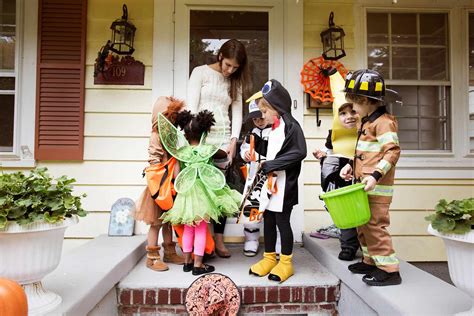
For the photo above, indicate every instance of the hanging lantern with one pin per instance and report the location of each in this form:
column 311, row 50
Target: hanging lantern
column 123, row 33
column 333, row 41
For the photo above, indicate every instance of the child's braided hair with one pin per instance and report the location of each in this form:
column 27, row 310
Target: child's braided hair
column 195, row 125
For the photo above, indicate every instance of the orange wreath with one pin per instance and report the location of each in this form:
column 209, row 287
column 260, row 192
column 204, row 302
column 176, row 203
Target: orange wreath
column 315, row 77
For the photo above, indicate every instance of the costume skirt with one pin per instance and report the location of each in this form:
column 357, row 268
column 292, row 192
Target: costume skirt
column 202, row 204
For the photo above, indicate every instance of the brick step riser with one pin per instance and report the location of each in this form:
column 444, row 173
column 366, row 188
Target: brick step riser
column 278, row 299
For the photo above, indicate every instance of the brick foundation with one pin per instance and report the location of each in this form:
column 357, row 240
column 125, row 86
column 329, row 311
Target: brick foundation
column 275, row 299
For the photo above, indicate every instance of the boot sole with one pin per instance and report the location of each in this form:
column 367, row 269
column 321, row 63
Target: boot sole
column 250, row 253
column 253, row 273
column 158, row 270
column 386, row 283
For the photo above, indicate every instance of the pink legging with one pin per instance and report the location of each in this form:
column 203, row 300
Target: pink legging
column 195, row 235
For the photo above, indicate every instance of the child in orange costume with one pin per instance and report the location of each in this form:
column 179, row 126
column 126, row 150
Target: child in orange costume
column 158, row 195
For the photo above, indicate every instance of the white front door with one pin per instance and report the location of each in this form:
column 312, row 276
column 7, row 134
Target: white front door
column 272, row 31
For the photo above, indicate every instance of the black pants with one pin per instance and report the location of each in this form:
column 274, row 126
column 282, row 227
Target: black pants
column 219, row 227
column 349, row 239
column 270, row 222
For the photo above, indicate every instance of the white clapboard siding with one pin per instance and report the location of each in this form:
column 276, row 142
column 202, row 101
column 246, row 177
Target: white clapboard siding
column 102, row 197
column 118, row 101
column 117, row 124
column 116, row 148
column 99, row 172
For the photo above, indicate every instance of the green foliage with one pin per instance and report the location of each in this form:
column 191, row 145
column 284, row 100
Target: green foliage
column 37, row 196
column 455, row 217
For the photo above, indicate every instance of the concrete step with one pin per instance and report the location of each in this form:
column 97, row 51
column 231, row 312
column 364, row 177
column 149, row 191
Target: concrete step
column 313, row 289
column 419, row 294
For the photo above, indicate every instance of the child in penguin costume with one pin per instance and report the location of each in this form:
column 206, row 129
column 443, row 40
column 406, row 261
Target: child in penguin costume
column 284, row 149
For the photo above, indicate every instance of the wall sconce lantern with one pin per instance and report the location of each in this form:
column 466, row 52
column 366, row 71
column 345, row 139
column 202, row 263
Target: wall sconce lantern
column 333, row 41
column 123, row 33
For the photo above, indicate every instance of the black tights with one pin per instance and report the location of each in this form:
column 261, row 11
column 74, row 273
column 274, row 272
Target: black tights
column 270, row 222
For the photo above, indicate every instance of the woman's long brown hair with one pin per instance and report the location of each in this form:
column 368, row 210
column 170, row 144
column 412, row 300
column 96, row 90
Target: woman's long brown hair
column 234, row 49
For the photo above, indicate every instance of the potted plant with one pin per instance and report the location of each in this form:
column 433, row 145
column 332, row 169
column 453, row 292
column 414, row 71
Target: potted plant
column 454, row 222
column 35, row 211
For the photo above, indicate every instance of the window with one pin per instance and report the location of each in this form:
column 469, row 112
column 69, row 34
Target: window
column 7, row 74
column 411, row 51
column 471, row 82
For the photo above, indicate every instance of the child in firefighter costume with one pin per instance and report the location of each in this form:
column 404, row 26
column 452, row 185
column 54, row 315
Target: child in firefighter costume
column 202, row 192
column 285, row 149
column 377, row 153
column 158, row 195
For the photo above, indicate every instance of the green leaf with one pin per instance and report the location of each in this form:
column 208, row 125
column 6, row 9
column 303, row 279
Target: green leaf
column 3, row 221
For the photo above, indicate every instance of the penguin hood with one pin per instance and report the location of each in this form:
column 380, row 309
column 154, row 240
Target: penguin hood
column 277, row 96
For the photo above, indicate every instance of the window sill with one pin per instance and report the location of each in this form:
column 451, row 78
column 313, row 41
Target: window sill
column 18, row 163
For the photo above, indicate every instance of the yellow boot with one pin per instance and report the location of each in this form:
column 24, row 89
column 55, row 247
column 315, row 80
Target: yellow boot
column 283, row 270
column 264, row 266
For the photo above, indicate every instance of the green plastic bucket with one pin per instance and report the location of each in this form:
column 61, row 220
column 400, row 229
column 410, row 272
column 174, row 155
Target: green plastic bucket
column 348, row 206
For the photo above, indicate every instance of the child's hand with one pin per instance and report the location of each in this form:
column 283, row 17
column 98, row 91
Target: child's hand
column 247, row 156
column 318, row 154
column 369, row 182
column 346, row 172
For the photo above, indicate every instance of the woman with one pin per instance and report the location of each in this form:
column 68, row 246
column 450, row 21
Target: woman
column 219, row 86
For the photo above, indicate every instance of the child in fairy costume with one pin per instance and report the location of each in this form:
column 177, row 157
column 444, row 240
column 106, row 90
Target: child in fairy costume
column 202, row 193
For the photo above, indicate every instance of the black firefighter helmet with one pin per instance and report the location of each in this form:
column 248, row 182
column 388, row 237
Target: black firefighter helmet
column 367, row 83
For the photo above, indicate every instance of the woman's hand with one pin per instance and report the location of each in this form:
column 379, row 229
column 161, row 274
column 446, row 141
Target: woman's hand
column 369, row 182
column 231, row 150
column 346, row 172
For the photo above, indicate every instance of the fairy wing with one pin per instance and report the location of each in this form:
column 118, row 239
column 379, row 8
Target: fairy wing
column 173, row 140
column 214, row 140
column 185, row 179
column 212, row 177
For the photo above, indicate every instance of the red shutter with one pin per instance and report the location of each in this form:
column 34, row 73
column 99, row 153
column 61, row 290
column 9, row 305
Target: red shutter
column 60, row 80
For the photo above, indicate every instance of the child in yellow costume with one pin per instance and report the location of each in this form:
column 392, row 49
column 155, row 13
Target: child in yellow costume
column 339, row 150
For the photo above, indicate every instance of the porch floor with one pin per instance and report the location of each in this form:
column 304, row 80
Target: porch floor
column 312, row 289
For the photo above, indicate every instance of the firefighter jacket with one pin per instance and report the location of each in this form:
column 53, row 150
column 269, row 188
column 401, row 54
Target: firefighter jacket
column 377, row 153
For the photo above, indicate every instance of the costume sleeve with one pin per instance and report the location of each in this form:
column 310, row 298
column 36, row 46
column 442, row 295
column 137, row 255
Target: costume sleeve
column 329, row 140
column 388, row 140
column 194, row 89
column 261, row 145
column 236, row 115
column 244, row 148
column 292, row 152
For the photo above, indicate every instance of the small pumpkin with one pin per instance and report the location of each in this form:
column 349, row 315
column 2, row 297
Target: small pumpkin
column 12, row 299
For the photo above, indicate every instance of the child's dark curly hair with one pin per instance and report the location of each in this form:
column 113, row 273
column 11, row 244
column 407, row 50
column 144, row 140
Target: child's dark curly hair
column 195, row 125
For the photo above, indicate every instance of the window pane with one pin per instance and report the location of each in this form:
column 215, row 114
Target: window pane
column 433, row 64
column 7, row 108
column 7, row 83
column 422, row 119
column 378, row 60
column 404, row 65
column 403, row 28
column 377, row 28
column 7, row 34
column 433, row 28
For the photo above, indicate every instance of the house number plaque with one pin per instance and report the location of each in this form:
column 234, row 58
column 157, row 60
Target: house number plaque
column 121, row 71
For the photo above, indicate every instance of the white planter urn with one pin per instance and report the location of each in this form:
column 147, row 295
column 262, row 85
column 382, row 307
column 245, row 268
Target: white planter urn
column 29, row 253
column 460, row 251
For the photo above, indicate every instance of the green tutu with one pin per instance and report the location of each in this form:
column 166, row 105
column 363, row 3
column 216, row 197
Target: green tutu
column 201, row 203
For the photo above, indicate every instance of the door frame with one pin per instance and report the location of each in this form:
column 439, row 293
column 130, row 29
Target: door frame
column 170, row 77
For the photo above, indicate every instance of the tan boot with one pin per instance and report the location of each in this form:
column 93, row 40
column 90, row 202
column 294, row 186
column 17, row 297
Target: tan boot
column 170, row 254
column 153, row 259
